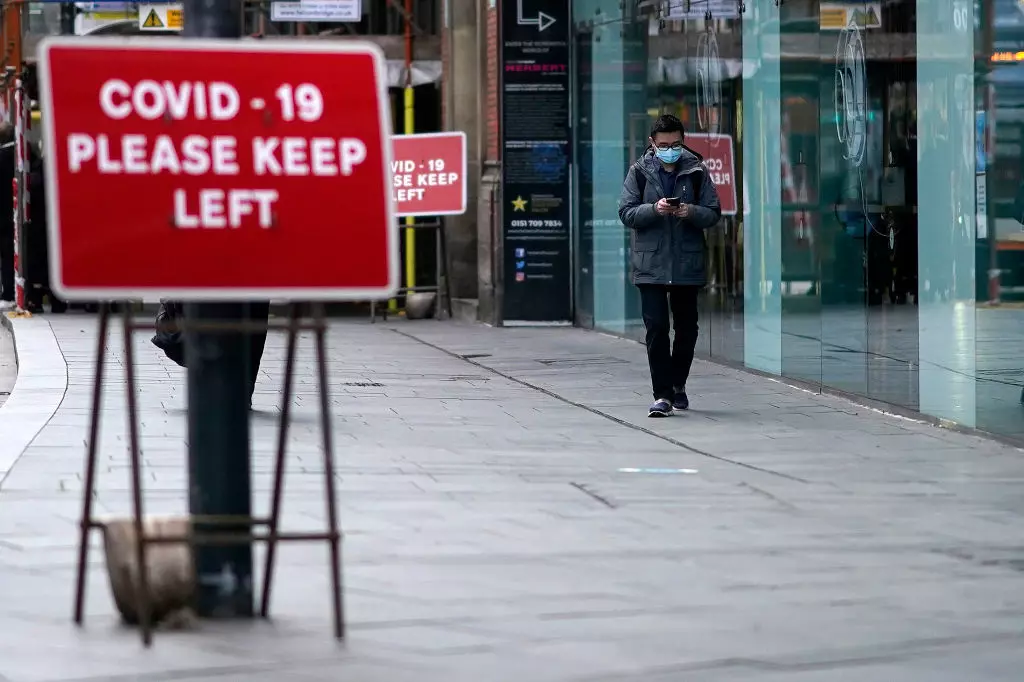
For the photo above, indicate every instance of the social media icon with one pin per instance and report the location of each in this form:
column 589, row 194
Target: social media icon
column 520, row 264
column 520, row 276
column 520, row 253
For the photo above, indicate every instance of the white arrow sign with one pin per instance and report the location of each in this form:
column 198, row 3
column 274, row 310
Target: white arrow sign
column 541, row 21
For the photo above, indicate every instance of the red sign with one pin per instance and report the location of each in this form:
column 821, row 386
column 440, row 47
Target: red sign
column 717, row 151
column 429, row 173
column 218, row 170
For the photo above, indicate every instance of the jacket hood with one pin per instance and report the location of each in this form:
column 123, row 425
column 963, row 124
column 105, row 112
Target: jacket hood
column 687, row 162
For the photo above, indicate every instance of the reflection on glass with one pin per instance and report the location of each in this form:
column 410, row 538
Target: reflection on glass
column 43, row 19
column 876, row 244
column 946, row 187
column 634, row 63
column 802, row 237
column 998, row 194
column 762, row 183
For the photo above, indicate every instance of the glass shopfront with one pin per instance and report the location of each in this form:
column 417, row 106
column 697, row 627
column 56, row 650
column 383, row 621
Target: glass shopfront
column 633, row 65
column 875, row 244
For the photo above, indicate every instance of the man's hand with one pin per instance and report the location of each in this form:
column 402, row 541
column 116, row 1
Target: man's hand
column 682, row 211
column 665, row 208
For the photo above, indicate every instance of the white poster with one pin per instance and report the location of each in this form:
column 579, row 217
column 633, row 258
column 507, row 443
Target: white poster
column 981, row 205
column 317, row 10
column 698, row 9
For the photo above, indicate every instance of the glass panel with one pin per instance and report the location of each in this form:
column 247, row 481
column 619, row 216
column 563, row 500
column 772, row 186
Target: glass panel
column 695, row 73
column 848, row 148
column 610, row 54
column 43, row 19
column 946, row 187
column 888, row 171
column 762, row 189
column 803, row 236
column 583, row 180
column 633, row 65
column 719, row 95
column 999, row 205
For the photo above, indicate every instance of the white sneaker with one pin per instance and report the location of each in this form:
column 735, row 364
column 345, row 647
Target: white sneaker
column 6, row 305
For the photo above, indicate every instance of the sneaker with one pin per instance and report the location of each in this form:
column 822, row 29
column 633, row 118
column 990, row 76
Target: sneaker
column 660, row 408
column 680, row 402
column 6, row 305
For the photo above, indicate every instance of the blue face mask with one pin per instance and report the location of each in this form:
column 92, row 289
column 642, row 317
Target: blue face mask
column 668, row 155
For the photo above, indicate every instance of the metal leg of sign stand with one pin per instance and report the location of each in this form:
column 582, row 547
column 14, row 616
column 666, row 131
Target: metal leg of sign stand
column 86, row 525
column 383, row 311
column 441, row 286
column 279, row 460
column 444, row 292
column 142, row 585
column 328, row 436
column 272, row 534
column 333, row 535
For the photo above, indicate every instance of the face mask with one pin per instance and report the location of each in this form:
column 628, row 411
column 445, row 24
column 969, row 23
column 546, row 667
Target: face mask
column 668, row 155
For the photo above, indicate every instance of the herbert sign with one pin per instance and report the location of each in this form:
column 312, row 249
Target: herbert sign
column 717, row 151
column 429, row 174
column 218, row 170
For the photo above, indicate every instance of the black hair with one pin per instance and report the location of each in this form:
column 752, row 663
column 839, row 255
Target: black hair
column 667, row 123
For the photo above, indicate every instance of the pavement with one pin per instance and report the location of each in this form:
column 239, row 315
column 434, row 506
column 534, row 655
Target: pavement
column 511, row 514
column 8, row 364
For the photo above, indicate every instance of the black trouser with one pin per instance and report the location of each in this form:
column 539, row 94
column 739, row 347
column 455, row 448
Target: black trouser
column 6, row 266
column 37, row 270
column 670, row 362
column 259, row 313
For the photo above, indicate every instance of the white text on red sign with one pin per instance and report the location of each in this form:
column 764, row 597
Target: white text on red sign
column 718, row 171
column 412, row 180
column 198, row 155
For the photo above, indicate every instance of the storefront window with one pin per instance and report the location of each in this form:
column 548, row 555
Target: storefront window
column 946, row 163
column 636, row 61
column 803, row 70
column 997, row 190
column 875, row 244
column 762, row 189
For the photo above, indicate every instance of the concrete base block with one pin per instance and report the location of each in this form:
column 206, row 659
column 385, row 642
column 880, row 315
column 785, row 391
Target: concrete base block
column 171, row 569
column 419, row 305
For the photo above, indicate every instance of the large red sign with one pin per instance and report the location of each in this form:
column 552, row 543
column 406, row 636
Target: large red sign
column 717, row 151
column 218, row 170
column 429, row 174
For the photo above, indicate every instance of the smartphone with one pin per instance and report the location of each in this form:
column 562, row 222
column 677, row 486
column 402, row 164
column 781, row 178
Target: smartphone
column 672, row 201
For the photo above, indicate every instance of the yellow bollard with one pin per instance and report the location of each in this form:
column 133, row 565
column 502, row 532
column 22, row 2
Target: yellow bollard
column 410, row 233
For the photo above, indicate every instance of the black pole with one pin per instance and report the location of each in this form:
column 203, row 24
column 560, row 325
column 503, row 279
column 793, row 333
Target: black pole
column 219, row 377
column 67, row 18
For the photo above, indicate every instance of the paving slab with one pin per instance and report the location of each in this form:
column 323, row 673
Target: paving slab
column 510, row 514
column 39, row 389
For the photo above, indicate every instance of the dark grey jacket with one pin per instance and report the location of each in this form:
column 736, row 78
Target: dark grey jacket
column 664, row 249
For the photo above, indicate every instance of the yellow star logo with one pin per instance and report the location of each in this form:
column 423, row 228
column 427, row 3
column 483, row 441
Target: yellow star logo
column 519, row 204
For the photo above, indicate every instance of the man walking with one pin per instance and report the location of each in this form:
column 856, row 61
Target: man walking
column 668, row 200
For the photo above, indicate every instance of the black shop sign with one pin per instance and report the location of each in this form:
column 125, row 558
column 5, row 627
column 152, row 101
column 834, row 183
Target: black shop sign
column 536, row 159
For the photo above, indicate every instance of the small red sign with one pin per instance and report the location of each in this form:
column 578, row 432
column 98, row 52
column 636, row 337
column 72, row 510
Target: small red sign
column 717, row 151
column 429, row 174
column 218, row 170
